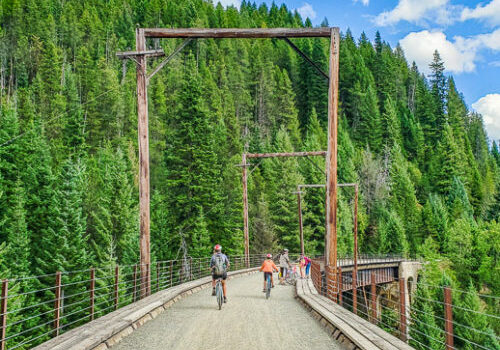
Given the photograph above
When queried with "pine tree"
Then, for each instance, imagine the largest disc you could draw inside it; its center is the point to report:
(438, 84)
(435, 221)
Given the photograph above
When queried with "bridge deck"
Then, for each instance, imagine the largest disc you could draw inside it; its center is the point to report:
(247, 321)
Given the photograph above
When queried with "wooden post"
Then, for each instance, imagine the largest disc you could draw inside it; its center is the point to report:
(402, 309)
(57, 303)
(134, 293)
(448, 316)
(374, 298)
(301, 229)
(331, 158)
(3, 313)
(245, 210)
(92, 293)
(143, 134)
(117, 272)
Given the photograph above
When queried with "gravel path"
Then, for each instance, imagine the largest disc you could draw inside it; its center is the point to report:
(247, 321)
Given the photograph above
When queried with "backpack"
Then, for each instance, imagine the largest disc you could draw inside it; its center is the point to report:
(219, 265)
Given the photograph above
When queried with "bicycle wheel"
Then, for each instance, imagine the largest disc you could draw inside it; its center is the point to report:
(268, 289)
(219, 293)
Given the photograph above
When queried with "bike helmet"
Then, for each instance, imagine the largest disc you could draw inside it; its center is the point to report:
(218, 248)
(269, 256)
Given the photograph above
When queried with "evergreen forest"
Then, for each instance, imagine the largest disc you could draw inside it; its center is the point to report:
(429, 176)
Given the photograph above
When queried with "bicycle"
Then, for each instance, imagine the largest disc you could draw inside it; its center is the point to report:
(268, 287)
(219, 294)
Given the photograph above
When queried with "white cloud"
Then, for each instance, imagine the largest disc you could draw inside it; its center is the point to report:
(489, 107)
(495, 63)
(364, 2)
(417, 11)
(226, 3)
(307, 10)
(458, 55)
(420, 47)
(489, 13)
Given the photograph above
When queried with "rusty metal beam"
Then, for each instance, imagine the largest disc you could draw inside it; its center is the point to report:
(218, 33)
(286, 154)
(304, 56)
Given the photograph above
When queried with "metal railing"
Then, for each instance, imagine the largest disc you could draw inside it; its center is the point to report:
(36, 308)
(395, 310)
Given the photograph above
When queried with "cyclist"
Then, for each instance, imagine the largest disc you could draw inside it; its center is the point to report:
(219, 265)
(284, 265)
(268, 267)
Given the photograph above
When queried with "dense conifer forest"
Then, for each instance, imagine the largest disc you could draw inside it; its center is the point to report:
(429, 177)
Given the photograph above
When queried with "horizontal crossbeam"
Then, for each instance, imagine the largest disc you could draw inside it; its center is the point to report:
(289, 154)
(147, 53)
(237, 32)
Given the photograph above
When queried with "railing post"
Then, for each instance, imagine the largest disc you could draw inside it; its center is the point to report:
(117, 272)
(190, 268)
(92, 293)
(448, 316)
(157, 276)
(402, 309)
(339, 288)
(148, 285)
(3, 313)
(134, 293)
(354, 282)
(57, 303)
(171, 273)
(374, 297)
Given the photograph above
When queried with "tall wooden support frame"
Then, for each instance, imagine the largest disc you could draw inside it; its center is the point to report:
(244, 166)
(140, 57)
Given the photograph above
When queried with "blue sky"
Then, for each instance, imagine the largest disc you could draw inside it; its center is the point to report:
(465, 32)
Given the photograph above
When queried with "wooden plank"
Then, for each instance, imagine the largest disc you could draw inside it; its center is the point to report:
(143, 134)
(286, 154)
(237, 32)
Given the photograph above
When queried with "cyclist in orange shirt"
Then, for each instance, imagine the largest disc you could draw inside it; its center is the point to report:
(267, 267)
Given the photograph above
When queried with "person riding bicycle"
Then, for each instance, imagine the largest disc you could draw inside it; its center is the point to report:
(219, 265)
(268, 266)
(284, 264)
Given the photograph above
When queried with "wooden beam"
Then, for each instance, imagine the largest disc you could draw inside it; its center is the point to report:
(304, 56)
(143, 134)
(289, 154)
(168, 59)
(301, 230)
(331, 159)
(147, 53)
(237, 32)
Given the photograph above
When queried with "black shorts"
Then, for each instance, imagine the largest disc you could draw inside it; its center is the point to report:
(267, 274)
(223, 276)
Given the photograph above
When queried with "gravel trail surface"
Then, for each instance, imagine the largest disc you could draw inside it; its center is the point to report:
(247, 321)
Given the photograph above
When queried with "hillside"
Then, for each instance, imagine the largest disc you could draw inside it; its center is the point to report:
(429, 177)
